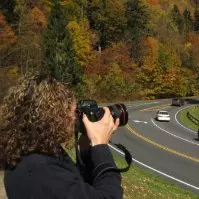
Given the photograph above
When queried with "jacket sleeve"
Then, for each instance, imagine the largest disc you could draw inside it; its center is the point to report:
(103, 177)
(106, 181)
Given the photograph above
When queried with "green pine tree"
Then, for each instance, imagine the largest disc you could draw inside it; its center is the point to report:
(138, 27)
(8, 9)
(106, 21)
(177, 18)
(188, 21)
(196, 21)
(59, 54)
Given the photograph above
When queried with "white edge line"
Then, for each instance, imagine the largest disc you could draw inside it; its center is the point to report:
(157, 171)
(173, 134)
(147, 103)
(180, 123)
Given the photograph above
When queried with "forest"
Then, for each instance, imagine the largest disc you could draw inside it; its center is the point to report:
(106, 50)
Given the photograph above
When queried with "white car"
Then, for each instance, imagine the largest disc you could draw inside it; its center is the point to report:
(163, 116)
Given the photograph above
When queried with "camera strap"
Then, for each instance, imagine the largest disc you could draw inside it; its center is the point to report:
(127, 155)
(78, 156)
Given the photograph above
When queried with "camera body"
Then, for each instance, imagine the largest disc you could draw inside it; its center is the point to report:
(95, 113)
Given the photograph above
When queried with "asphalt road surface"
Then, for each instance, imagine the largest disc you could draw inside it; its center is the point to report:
(166, 148)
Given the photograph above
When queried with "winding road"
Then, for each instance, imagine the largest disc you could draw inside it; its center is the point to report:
(167, 148)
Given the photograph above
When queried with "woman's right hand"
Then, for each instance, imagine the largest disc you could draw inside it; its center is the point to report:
(100, 132)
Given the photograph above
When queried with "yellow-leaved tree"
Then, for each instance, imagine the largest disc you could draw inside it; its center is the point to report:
(92, 85)
(81, 38)
(113, 83)
(174, 80)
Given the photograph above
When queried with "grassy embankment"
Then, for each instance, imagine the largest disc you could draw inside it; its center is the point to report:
(194, 111)
(139, 183)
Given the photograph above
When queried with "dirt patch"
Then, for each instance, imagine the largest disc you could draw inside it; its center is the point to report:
(2, 190)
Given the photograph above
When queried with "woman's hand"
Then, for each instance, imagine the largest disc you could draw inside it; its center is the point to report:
(100, 132)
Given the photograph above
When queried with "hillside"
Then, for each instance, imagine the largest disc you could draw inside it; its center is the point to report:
(140, 49)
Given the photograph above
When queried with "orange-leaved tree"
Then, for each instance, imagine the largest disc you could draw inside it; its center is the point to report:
(149, 77)
(7, 35)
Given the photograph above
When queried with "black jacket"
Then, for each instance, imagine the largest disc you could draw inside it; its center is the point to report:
(48, 177)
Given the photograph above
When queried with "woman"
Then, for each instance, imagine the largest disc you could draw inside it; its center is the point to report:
(37, 117)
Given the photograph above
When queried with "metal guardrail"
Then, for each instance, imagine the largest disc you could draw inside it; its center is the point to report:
(193, 119)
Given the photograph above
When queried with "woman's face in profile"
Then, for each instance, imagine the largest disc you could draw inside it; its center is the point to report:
(73, 110)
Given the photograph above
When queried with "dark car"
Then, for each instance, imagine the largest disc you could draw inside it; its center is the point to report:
(177, 102)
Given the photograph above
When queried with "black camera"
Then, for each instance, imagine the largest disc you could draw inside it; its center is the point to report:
(95, 113)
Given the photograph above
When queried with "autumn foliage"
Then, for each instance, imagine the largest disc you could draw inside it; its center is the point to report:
(37, 19)
(126, 49)
(7, 35)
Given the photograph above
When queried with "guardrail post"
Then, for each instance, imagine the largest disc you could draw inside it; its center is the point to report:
(198, 134)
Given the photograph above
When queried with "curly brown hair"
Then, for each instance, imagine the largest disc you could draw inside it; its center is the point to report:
(36, 117)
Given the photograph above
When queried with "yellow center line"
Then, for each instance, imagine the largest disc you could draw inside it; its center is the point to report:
(156, 107)
(161, 146)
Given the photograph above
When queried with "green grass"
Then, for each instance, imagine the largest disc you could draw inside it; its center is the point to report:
(194, 111)
(139, 183)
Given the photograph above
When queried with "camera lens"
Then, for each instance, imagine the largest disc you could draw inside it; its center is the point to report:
(119, 111)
